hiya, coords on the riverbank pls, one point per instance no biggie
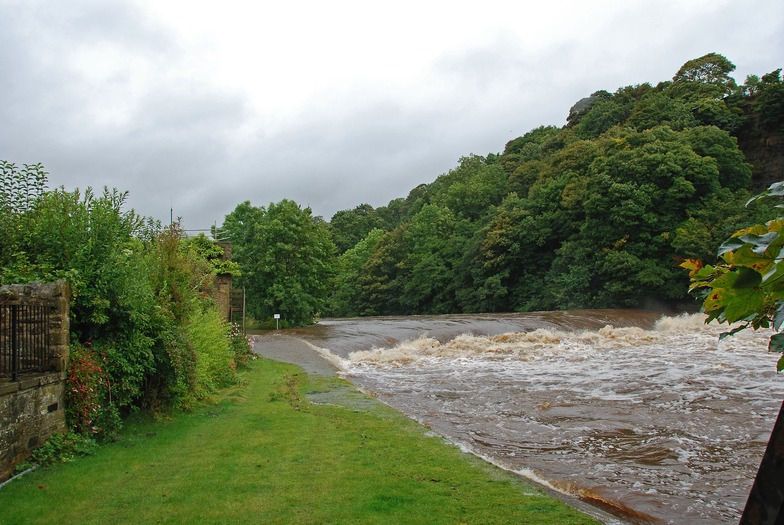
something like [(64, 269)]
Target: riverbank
[(284, 446), (287, 347)]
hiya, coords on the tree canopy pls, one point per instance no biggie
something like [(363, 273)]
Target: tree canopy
[(597, 213), (286, 260)]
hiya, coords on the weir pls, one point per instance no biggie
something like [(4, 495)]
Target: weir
[(660, 418)]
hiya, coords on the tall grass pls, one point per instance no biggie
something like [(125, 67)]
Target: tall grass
[(208, 335)]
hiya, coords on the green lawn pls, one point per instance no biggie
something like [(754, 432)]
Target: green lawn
[(265, 454)]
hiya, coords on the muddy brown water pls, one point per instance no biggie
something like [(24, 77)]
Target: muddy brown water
[(649, 416)]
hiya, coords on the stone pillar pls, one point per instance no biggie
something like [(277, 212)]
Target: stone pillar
[(60, 326)]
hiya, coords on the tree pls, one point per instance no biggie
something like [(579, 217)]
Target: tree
[(382, 277), (656, 109), (705, 84), (286, 257), (348, 227), (708, 75), (496, 258), (769, 101), (470, 189), (433, 242), (347, 292)]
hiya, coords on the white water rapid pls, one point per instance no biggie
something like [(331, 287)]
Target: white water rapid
[(662, 423)]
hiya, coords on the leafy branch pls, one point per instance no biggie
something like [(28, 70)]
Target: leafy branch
[(747, 285)]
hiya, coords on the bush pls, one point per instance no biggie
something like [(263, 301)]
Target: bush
[(208, 335), (89, 409), (241, 345)]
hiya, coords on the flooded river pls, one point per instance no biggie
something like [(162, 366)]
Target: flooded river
[(651, 416)]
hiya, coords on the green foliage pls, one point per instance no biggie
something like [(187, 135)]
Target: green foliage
[(609, 111), (382, 277), (747, 285), (136, 287), (434, 243), (498, 267), (214, 254), (60, 448), (348, 227), (705, 77), (768, 100), (208, 334), (89, 409), (657, 109), (470, 189), (345, 300), (286, 257)]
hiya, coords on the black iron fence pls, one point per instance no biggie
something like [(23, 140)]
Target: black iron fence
[(24, 339)]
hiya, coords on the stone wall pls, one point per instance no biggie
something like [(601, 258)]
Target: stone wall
[(221, 291), (32, 408)]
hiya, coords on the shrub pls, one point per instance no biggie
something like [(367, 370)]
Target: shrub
[(208, 335), (241, 345), (89, 408)]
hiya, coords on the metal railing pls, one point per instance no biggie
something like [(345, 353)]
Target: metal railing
[(24, 339)]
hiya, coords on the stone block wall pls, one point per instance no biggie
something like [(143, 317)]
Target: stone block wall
[(221, 292), (221, 288), (32, 408)]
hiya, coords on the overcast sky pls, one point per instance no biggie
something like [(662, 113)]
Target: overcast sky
[(202, 105)]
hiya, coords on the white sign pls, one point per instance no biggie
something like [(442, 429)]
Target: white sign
[(276, 316)]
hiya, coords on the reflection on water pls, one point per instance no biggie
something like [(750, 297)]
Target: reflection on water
[(656, 417)]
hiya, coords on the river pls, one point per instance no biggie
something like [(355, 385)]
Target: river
[(648, 416)]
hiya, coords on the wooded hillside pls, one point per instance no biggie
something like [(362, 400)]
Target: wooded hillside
[(595, 214)]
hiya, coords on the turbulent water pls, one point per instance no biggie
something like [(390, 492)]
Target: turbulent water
[(652, 417)]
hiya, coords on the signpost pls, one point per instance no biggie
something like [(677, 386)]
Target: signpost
[(277, 317)]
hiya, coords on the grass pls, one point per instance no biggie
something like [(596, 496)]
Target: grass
[(264, 453)]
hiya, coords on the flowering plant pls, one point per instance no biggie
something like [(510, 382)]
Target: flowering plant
[(89, 410), (242, 346)]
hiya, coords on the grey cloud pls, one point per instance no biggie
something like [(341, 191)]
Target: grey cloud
[(185, 142)]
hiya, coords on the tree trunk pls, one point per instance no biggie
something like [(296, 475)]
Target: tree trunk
[(765, 505)]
